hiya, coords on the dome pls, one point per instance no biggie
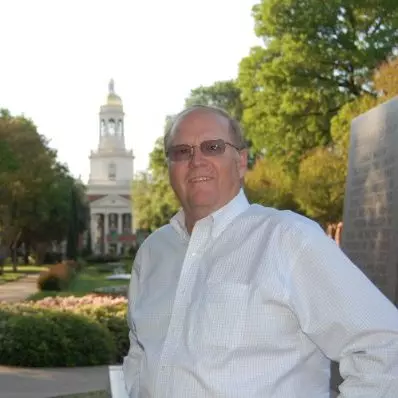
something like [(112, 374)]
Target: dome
[(113, 98)]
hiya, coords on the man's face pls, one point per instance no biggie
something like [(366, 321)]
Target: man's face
[(203, 184)]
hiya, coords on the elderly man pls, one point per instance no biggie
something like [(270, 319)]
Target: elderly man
[(239, 300)]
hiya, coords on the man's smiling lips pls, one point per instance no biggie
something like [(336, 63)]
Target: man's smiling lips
[(195, 180)]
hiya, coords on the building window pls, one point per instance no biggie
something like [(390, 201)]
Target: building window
[(111, 127), (112, 171), (120, 127)]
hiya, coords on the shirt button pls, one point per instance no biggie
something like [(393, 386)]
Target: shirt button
[(193, 254)]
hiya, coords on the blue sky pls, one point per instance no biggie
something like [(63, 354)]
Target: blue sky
[(58, 57)]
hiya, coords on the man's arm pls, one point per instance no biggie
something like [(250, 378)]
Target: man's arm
[(347, 317), (132, 362)]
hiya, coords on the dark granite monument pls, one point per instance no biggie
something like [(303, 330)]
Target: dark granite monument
[(370, 232)]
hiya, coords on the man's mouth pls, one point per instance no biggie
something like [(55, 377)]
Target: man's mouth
[(196, 180)]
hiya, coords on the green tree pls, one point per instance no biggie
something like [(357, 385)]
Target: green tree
[(73, 227), (320, 187), (268, 184), (31, 161), (153, 198), (317, 56), (222, 94), (341, 123), (386, 79), (34, 204)]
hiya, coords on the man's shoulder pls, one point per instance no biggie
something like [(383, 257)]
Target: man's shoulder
[(286, 220), (162, 234)]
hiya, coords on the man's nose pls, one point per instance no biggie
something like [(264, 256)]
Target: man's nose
[(197, 157)]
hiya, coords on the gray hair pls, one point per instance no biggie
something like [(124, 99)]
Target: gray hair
[(235, 128)]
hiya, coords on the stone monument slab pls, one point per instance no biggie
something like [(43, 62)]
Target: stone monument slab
[(370, 232)]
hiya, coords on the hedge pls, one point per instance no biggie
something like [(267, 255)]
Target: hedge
[(39, 337), (104, 312)]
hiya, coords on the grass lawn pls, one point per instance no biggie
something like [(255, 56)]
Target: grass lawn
[(85, 282), (27, 269), (10, 276), (90, 278)]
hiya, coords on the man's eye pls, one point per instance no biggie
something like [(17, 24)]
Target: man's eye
[(213, 147)]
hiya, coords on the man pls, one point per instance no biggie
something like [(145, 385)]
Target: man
[(238, 300)]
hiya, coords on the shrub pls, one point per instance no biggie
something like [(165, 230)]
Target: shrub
[(110, 312), (56, 277), (39, 337), (114, 319)]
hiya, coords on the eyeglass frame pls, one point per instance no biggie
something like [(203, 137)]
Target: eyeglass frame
[(193, 147)]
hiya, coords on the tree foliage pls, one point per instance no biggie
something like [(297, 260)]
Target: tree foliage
[(320, 187), (34, 189), (341, 123), (317, 56), (153, 198), (268, 184), (222, 94), (386, 79)]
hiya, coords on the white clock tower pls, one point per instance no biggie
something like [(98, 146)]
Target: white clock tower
[(109, 185)]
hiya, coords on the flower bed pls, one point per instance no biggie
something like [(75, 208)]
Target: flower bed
[(64, 331)]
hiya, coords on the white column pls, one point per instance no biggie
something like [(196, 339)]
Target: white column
[(119, 229), (120, 222), (93, 231), (106, 232)]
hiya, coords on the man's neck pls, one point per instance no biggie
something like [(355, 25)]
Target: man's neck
[(191, 218)]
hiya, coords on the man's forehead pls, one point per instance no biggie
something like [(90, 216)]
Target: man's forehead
[(201, 118)]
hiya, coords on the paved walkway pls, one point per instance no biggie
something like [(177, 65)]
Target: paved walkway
[(19, 290), (48, 383)]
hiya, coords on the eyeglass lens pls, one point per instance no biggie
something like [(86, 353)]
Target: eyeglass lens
[(185, 152)]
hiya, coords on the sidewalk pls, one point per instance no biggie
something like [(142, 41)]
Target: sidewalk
[(19, 290), (48, 383)]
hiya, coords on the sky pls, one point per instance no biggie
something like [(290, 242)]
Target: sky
[(58, 57)]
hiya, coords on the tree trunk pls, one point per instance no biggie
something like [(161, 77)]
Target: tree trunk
[(26, 253), (40, 252), (14, 252), (73, 234), (3, 256)]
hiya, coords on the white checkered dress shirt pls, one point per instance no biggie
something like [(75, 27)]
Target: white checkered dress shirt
[(254, 304)]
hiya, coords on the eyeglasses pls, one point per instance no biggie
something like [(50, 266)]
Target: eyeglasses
[(178, 153)]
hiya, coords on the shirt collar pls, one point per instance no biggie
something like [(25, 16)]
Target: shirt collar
[(221, 218)]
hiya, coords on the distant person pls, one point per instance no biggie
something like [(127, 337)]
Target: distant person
[(244, 301)]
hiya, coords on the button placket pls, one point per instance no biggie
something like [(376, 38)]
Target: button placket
[(186, 282)]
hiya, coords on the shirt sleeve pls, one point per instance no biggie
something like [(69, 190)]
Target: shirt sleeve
[(347, 317), (132, 361)]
